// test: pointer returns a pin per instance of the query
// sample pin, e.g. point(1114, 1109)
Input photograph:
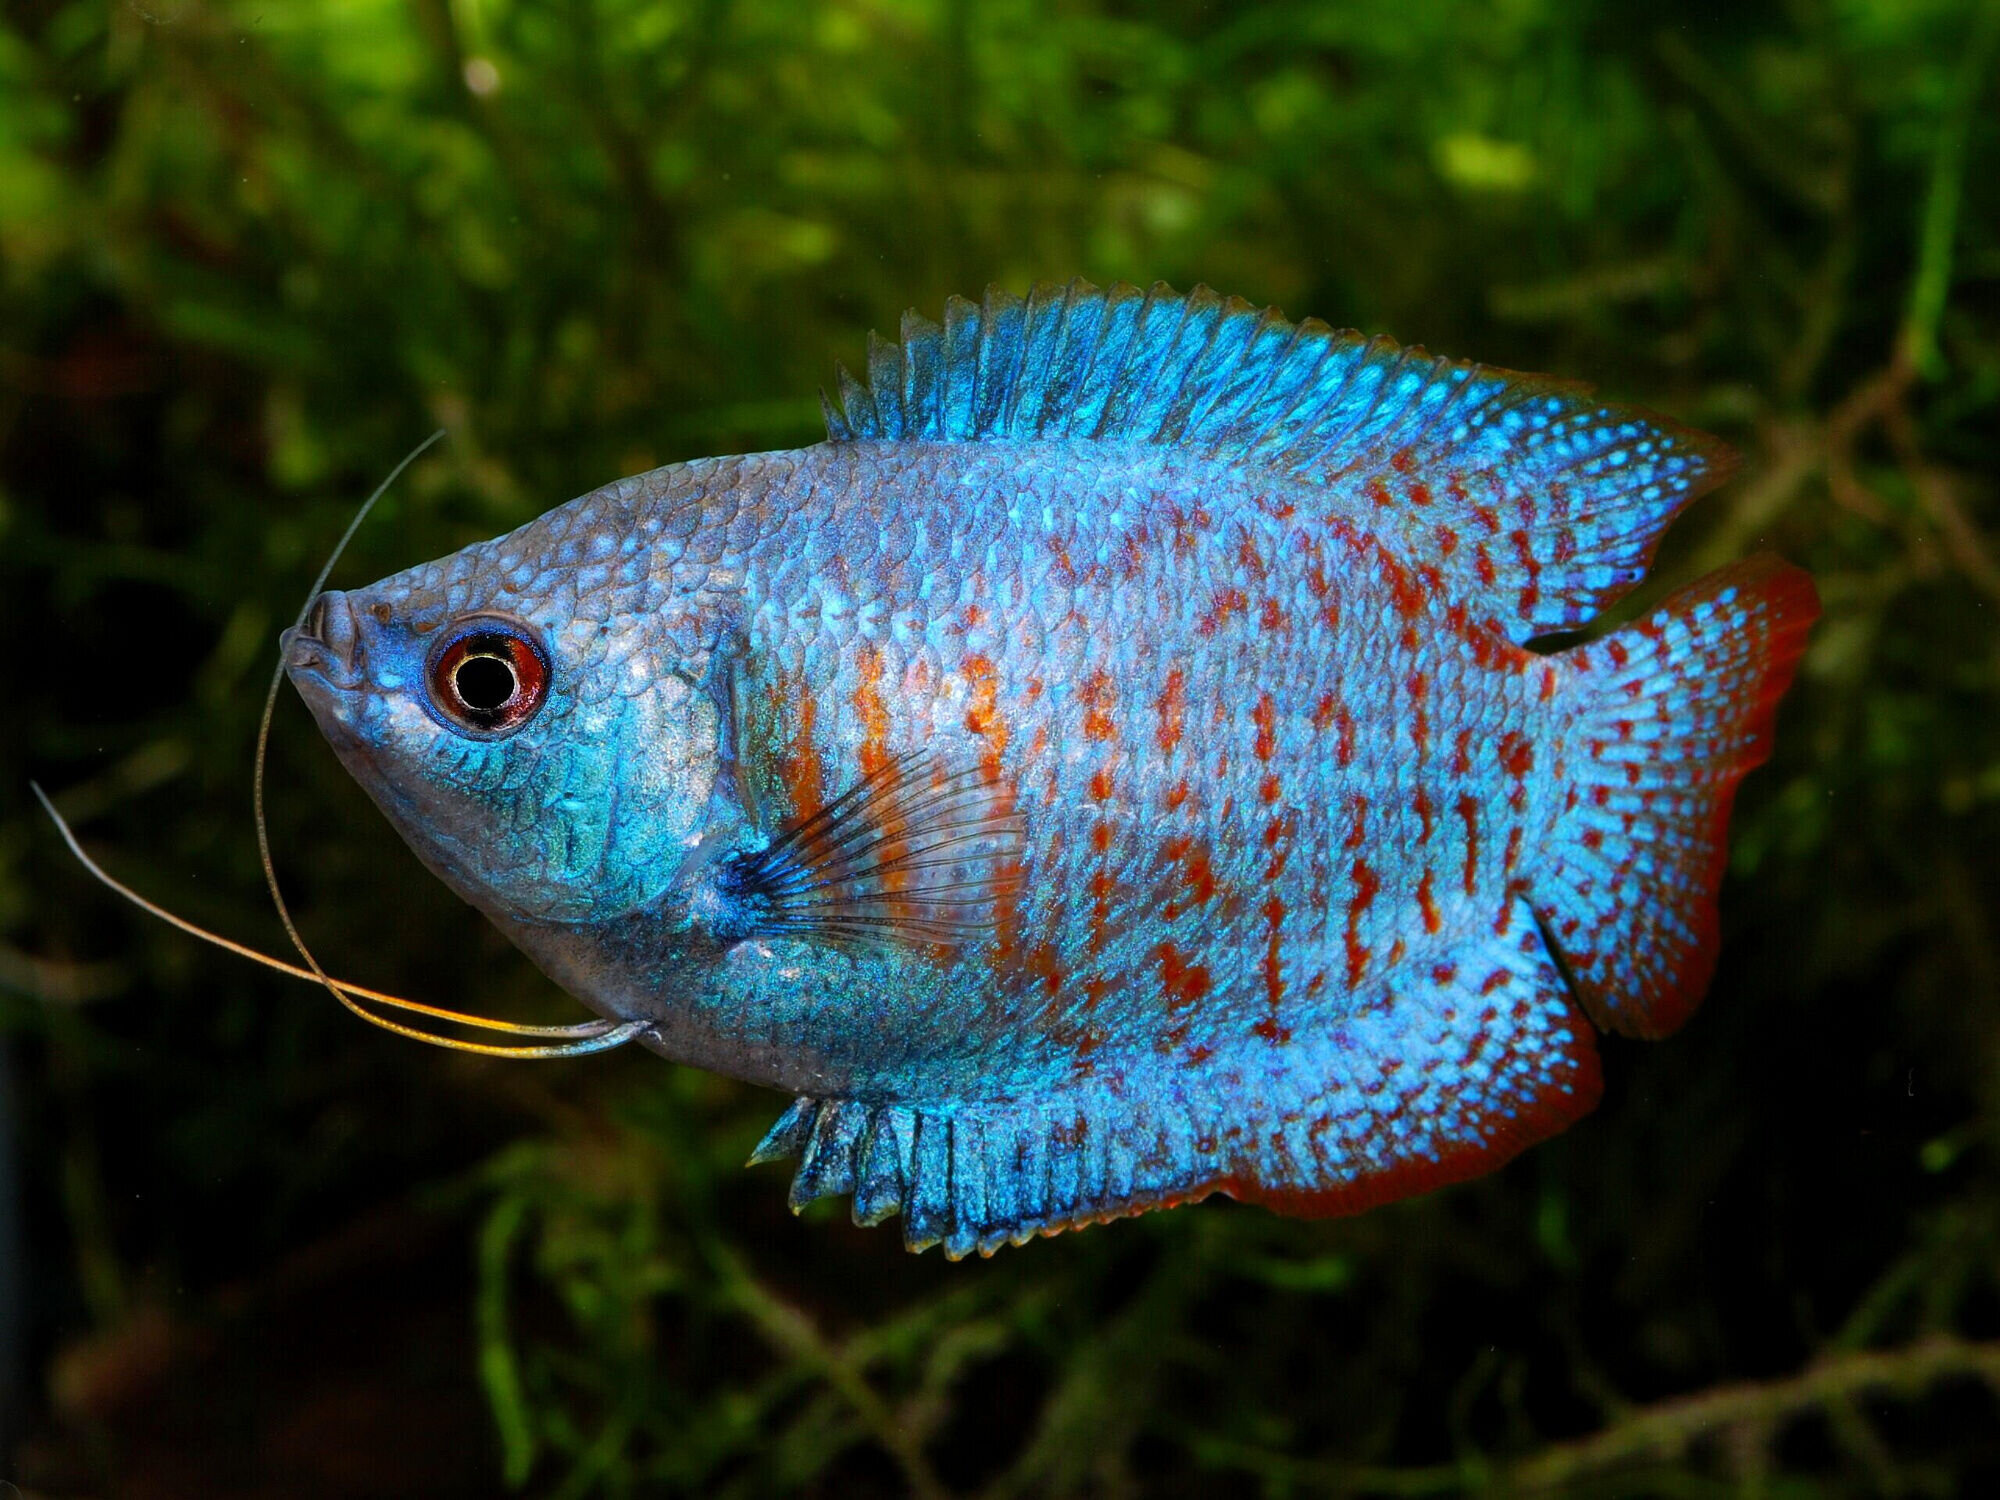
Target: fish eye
point(488, 677)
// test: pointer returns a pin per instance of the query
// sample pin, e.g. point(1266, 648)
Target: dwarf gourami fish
point(1113, 768)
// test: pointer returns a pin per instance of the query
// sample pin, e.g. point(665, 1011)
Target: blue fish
point(1113, 768)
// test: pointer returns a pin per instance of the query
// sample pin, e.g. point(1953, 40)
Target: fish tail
point(1670, 713)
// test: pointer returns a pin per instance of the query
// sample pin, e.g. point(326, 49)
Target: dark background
point(252, 250)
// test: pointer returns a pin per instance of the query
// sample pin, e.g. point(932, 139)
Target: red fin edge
point(1670, 715)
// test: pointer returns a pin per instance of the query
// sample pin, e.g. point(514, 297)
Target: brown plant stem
point(1668, 1429)
point(794, 1335)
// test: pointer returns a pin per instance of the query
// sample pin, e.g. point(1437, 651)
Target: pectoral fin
point(915, 854)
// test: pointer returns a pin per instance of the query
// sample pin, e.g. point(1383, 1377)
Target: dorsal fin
point(1532, 495)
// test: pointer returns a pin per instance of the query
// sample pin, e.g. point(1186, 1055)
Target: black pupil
point(484, 683)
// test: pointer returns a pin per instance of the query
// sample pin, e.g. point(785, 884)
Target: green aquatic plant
point(250, 252)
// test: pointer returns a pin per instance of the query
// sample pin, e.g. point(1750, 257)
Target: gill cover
point(594, 806)
point(579, 812)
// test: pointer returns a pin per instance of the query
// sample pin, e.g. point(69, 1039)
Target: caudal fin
point(1671, 712)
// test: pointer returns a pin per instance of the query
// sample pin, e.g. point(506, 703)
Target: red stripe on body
point(983, 717)
point(1432, 921)
point(1276, 833)
point(1357, 833)
point(1274, 976)
point(1366, 884)
point(1266, 717)
point(1172, 707)
point(868, 704)
point(1100, 697)
point(1483, 566)
point(799, 765)
point(1183, 983)
point(1461, 753)
point(1223, 604)
point(1517, 759)
point(1405, 587)
point(1468, 809)
point(1101, 888)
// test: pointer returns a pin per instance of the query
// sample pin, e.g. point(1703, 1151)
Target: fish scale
point(1114, 768)
point(1220, 798)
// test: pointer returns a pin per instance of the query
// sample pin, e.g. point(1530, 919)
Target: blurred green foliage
point(251, 251)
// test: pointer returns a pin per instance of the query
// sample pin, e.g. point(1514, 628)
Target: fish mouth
point(324, 649)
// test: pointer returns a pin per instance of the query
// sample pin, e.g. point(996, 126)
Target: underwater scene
point(1067, 749)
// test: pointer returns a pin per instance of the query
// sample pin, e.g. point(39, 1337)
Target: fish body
point(1111, 769)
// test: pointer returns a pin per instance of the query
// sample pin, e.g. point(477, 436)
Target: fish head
point(530, 713)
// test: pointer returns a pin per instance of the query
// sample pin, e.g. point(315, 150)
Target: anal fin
point(1452, 1070)
point(1469, 1060)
